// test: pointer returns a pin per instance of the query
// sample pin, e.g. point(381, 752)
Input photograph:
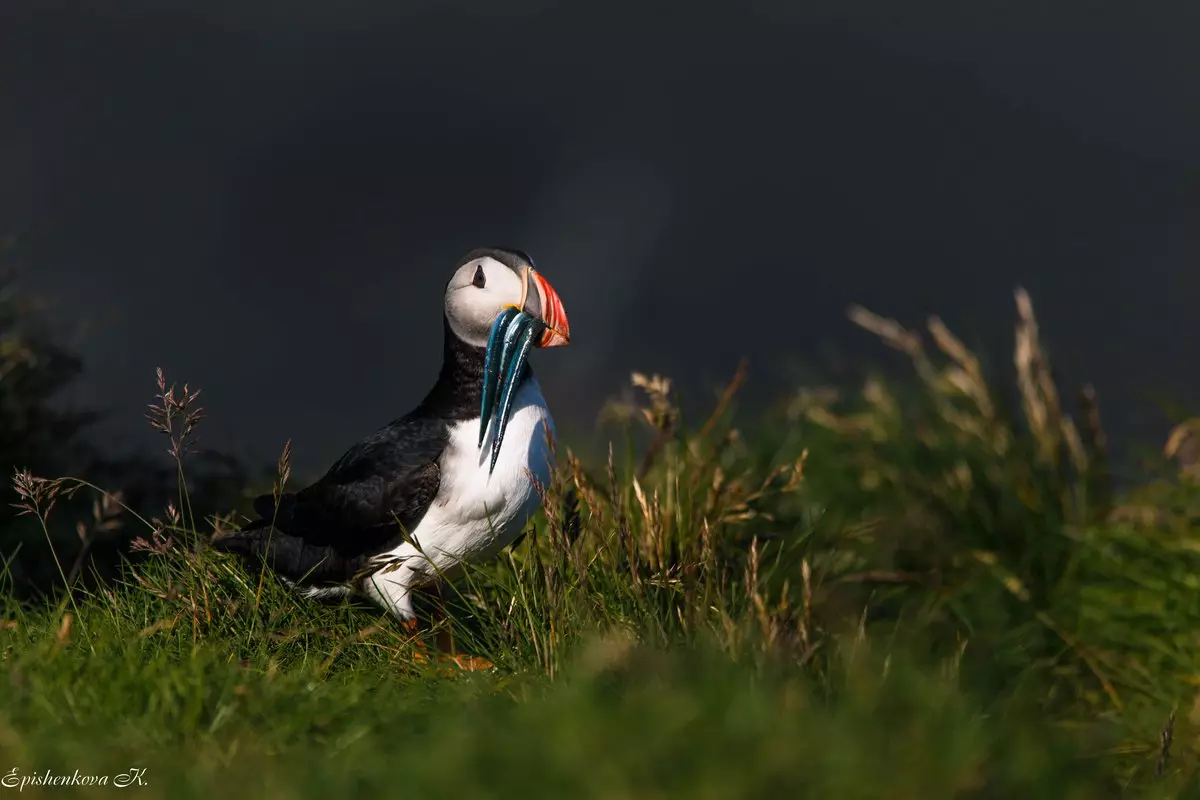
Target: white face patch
point(476, 294)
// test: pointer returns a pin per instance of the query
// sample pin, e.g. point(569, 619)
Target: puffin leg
point(444, 638)
point(413, 629)
point(392, 588)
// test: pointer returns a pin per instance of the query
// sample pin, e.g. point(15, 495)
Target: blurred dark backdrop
point(266, 198)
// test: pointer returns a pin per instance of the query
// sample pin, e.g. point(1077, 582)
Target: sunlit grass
point(922, 588)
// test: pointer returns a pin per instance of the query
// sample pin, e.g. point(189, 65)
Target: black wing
point(376, 492)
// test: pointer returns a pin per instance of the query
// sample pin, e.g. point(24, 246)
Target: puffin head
point(490, 279)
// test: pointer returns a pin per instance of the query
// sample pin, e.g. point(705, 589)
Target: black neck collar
point(458, 391)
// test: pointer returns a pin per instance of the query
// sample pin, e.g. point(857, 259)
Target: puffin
point(450, 483)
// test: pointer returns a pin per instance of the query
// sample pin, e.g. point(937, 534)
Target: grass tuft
point(925, 587)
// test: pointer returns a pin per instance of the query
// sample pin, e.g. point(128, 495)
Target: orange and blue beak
point(557, 331)
point(538, 321)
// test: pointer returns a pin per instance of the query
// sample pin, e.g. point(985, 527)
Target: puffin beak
point(553, 316)
point(539, 320)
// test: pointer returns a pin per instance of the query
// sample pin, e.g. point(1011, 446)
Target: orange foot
point(463, 662)
point(471, 663)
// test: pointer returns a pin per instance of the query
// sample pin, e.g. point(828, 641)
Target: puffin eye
point(480, 279)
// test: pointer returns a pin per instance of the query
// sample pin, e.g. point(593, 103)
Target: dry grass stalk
point(1096, 440)
point(64, 630)
point(968, 378)
point(106, 512)
point(1095, 444)
point(37, 496)
point(175, 415)
point(896, 336)
point(966, 408)
point(1039, 396)
point(1183, 445)
point(963, 378)
point(889, 330)
point(1165, 737)
point(283, 471)
point(806, 619)
point(806, 400)
point(727, 395)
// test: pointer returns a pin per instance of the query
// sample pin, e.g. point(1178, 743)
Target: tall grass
point(920, 588)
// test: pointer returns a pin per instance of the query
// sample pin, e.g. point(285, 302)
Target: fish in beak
point(539, 320)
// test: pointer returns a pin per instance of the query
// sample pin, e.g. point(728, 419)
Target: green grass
point(925, 588)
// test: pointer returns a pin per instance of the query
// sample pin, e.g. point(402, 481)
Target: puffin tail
point(265, 506)
point(267, 540)
point(250, 541)
point(254, 538)
point(290, 556)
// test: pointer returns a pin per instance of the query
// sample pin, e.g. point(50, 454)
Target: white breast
point(475, 514)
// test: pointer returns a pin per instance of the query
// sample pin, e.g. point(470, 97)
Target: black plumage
point(380, 488)
point(508, 256)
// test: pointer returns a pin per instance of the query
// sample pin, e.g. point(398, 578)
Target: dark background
point(266, 198)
